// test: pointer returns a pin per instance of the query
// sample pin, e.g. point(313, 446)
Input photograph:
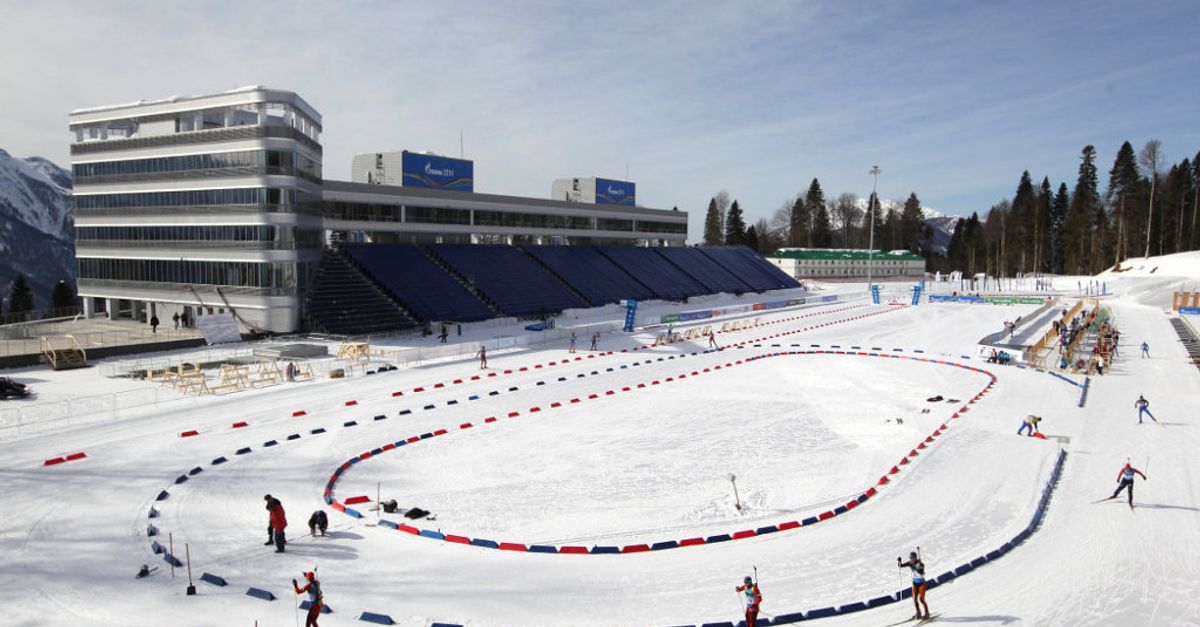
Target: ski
point(1103, 500)
point(928, 619)
point(905, 621)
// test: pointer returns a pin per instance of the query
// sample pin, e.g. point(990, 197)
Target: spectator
point(154, 324)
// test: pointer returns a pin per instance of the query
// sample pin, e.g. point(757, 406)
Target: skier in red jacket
point(1125, 480)
point(315, 598)
point(753, 599)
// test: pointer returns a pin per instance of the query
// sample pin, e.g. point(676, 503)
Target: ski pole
point(755, 567)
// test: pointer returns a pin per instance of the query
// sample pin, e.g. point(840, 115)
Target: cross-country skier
point(482, 355)
point(1145, 350)
point(1143, 407)
point(1125, 480)
point(315, 598)
point(572, 342)
point(595, 340)
point(278, 522)
point(915, 564)
point(1031, 424)
point(753, 599)
point(712, 340)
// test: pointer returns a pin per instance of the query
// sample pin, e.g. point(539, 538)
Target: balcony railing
point(236, 133)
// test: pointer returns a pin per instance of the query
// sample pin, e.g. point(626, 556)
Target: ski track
point(804, 433)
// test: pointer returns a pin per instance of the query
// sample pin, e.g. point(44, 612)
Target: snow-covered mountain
point(941, 226)
point(37, 224)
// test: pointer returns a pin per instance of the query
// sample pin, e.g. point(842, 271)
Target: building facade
point(823, 263)
point(198, 205)
point(217, 203)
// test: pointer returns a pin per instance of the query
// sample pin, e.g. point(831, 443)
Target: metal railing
point(196, 137)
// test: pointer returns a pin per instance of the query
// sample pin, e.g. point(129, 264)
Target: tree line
point(1144, 211)
point(21, 306)
point(811, 221)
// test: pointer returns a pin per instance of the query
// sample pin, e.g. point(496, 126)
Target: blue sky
point(951, 99)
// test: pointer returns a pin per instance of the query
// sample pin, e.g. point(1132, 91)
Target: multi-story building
point(833, 263)
point(198, 204)
point(217, 203)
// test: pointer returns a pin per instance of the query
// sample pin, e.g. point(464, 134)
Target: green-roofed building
point(840, 263)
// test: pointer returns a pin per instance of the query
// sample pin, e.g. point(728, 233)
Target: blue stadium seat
point(509, 278)
point(655, 272)
point(701, 267)
point(591, 273)
point(417, 282)
point(750, 267)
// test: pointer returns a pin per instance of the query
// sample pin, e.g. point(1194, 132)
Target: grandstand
point(467, 283)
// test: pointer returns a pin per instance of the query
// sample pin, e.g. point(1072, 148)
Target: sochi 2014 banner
point(610, 192)
point(436, 172)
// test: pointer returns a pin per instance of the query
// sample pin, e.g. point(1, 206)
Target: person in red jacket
point(753, 599)
point(278, 521)
point(315, 598)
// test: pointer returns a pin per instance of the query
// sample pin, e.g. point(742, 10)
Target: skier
point(1031, 424)
point(915, 564)
point(753, 599)
point(482, 355)
point(318, 521)
point(572, 341)
point(1125, 480)
point(1143, 407)
point(444, 334)
point(315, 598)
point(1145, 350)
point(595, 340)
point(712, 340)
point(278, 522)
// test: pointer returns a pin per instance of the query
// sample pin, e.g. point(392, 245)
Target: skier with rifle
point(1143, 407)
point(316, 598)
point(919, 585)
point(753, 599)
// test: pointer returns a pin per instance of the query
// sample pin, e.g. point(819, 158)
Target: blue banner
point(437, 172)
point(610, 192)
point(630, 315)
point(956, 299)
point(695, 315)
point(1192, 311)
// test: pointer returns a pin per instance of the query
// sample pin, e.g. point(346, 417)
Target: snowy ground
point(801, 433)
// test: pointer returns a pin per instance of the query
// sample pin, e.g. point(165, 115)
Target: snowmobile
point(12, 389)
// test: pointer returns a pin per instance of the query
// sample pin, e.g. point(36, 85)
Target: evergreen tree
point(822, 229)
point(768, 240)
point(814, 204)
point(1021, 224)
point(20, 296)
point(1124, 185)
point(971, 242)
point(874, 216)
point(735, 226)
point(1058, 228)
point(1041, 252)
point(1084, 202)
point(800, 220)
point(62, 296)
point(752, 239)
point(911, 219)
point(1193, 236)
point(713, 228)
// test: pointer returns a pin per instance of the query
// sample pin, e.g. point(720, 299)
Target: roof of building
point(844, 254)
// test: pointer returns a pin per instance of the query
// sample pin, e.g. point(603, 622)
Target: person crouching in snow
point(753, 599)
point(318, 521)
point(1030, 424)
point(315, 598)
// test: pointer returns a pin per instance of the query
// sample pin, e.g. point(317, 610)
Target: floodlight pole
point(875, 200)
